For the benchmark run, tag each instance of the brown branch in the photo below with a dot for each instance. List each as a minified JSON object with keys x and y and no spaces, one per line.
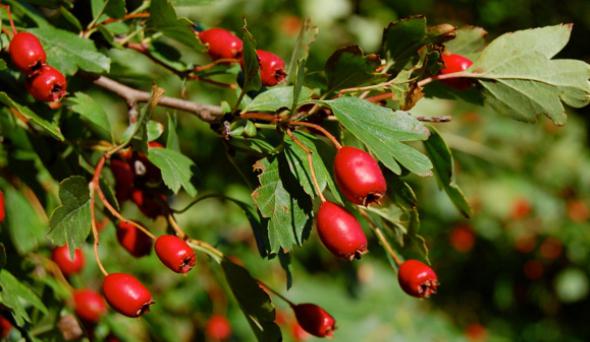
{"x":434,"y":119}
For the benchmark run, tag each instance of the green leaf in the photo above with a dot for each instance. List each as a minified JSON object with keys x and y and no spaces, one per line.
{"x":277,"y":98}
{"x":18,"y":297}
{"x":90,"y":111}
{"x":70,"y":222}
{"x":26,"y":228}
{"x":163,"y":19}
{"x":46,"y":126}
{"x":172,"y":142}
{"x":70,"y":18}
{"x":177,"y":169}
{"x":68,"y":52}
{"x":2,"y":64}
{"x":154,"y":130}
{"x":403,"y":39}
{"x":254,"y":302}
{"x":115,"y":8}
{"x":251,"y":67}
{"x":469,"y":41}
{"x":444,"y":168}
{"x":307,"y":36}
{"x":280,"y":199}
{"x":384,"y":132}
{"x":349,"y":67}
{"x":520,"y":80}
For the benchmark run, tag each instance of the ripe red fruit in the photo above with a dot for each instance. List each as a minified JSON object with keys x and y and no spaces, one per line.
{"x":175,"y":253}
{"x":221,"y":43}
{"x":462,"y":238}
{"x":5,"y":327}
{"x":26,"y":52}
{"x":358,"y":176}
{"x":68,"y":266}
{"x":2,"y":208}
{"x":314,"y":319}
{"x":124,"y":178}
{"x":218,"y":328}
{"x":272,"y":68}
{"x":89,"y":305}
{"x":47,"y":85}
{"x":151,"y":203}
{"x":456,"y":63}
{"x":417,"y":279}
{"x":340,"y":231}
{"x":299,"y":334}
{"x":126,"y":294}
{"x":521,"y":208}
{"x":135,"y":241}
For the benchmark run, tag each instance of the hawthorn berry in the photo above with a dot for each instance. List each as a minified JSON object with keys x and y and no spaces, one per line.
{"x":5,"y":327}
{"x":315,"y":320}
{"x":175,"y":253}
{"x":48,"y":85}
{"x":89,"y":305}
{"x":340,"y":231}
{"x":358,"y":176}
{"x":272,"y":68}
{"x":2,"y":208}
{"x":417,"y":279}
{"x":27,"y":53}
{"x":126,"y":294}
{"x":298,"y":333}
{"x":218,"y":328}
{"x":133,"y":240}
{"x":124,"y":178}
{"x":67,"y":265}
{"x":456,"y":63}
{"x":150,"y":202}
{"x":221,"y":44}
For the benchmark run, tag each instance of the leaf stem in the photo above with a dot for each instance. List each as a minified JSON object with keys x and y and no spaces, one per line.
{"x":309,"y":154}
{"x":276,"y":293}
{"x":9,"y":15}
{"x":320,"y":129}
{"x":207,"y":248}
{"x":179,"y":232}
{"x":382,"y":239}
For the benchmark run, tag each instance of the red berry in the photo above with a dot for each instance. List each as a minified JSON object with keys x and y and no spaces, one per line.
{"x":521,"y":208}
{"x":5,"y":327}
{"x":89,"y":305}
{"x":126,"y":294}
{"x":47,"y":85}
{"x":358,"y":176}
{"x":340,"y":232}
{"x":68,"y":266}
{"x":124,"y":178}
{"x":417,"y":279}
{"x":26,"y":52}
{"x":272,"y":68}
{"x":175,"y":253}
{"x":151,"y":203}
{"x":462,"y":238}
{"x":2,"y":208}
{"x":314,"y":319}
{"x":456,"y":63}
{"x":135,"y":241}
{"x":221,"y":43}
{"x":218,"y":328}
{"x":299,"y":334}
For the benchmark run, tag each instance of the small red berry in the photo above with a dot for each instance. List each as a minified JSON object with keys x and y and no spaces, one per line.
{"x":124,"y":178}
{"x":150,"y":202}
{"x":521,"y":208}
{"x":2,"y":207}
{"x":417,"y":279}
{"x":26,"y":52}
{"x":89,"y":305}
{"x":48,"y":85}
{"x":221,"y":43}
{"x":272,"y":68}
{"x":135,"y":241}
{"x":218,"y":328}
{"x":175,"y":253}
{"x":358,"y":176}
{"x":315,"y":320}
{"x":299,"y":334}
{"x":5,"y":327}
{"x":68,"y":266}
{"x":456,"y":63}
{"x":462,"y":238}
{"x":340,"y":231}
{"x":126,"y":294}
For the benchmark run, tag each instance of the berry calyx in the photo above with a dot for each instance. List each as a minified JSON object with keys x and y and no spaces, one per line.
{"x":67,"y":265}
{"x":315,"y":320}
{"x":133,"y":240}
{"x":221,"y":43}
{"x":417,"y":279}
{"x":175,"y":253}
{"x":48,"y":85}
{"x":359,"y":176}
{"x":456,"y":63}
{"x":89,"y":305}
{"x":126,"y":294}
{"x":272,"y":68}
{"x":340,"y":231}
{"x":218,"y":328}
{"x":27,"y":53}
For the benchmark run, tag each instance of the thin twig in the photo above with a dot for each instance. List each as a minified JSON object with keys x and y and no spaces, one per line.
{"x":276,"y":293}
{"x":382,"y":239}
{"x":93,"y":188}
{"x":320,"y":129}
{"x":205,"y":247}
{"x":434,"y":119}
{"x":309,"y":155}
{"x":179,"y":232}
{"x":120,"y":217}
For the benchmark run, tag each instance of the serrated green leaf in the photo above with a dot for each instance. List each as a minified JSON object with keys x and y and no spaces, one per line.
{"x":70,"y":18}
{"x":177,"y":169}
{"x":307,"y":36}
{"x":90,"y":111}
{"x":46,"y":126}
{"x":26,"y":228}
{"x":163,"y":19}
{"x":277,"y":98}
{"x":403,"y":39}
{"x":384,"y":132}
{"x":469,"y":42}
{"x":172,"y":142}
{"x":70,"y":222}
{"x":68,"y":52}
{"x":444,"y":168}
{"x":115,"y":8}
{"x":18,"y":297}
{"x":349,"y":67}
{"x":251,"y":66}
{"x":254,"y":302}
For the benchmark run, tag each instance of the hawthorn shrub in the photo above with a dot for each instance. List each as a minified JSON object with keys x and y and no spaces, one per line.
{"x":98,"y":167}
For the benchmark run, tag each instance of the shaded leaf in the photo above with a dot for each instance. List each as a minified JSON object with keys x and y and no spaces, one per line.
{"x":46,"y":126}
{"x":306,"y":37}
{"x":70,"y":222}
{"x":251,"y":66}
{"x":172,"y":142}
{"x":115,"y":8}
{"x":177,"y":169}
{"x":163,"y":19}
{"x":349,"y":67}
{"x":18,"y":297}
{"x":26,"y":228}
{"x":403,"y":39}
{"x":469,"y":41}
{"x":90,"y":111}
{"x":277,"y":98}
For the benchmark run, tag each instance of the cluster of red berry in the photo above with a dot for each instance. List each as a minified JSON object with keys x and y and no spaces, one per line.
{"x":43,"y":82}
